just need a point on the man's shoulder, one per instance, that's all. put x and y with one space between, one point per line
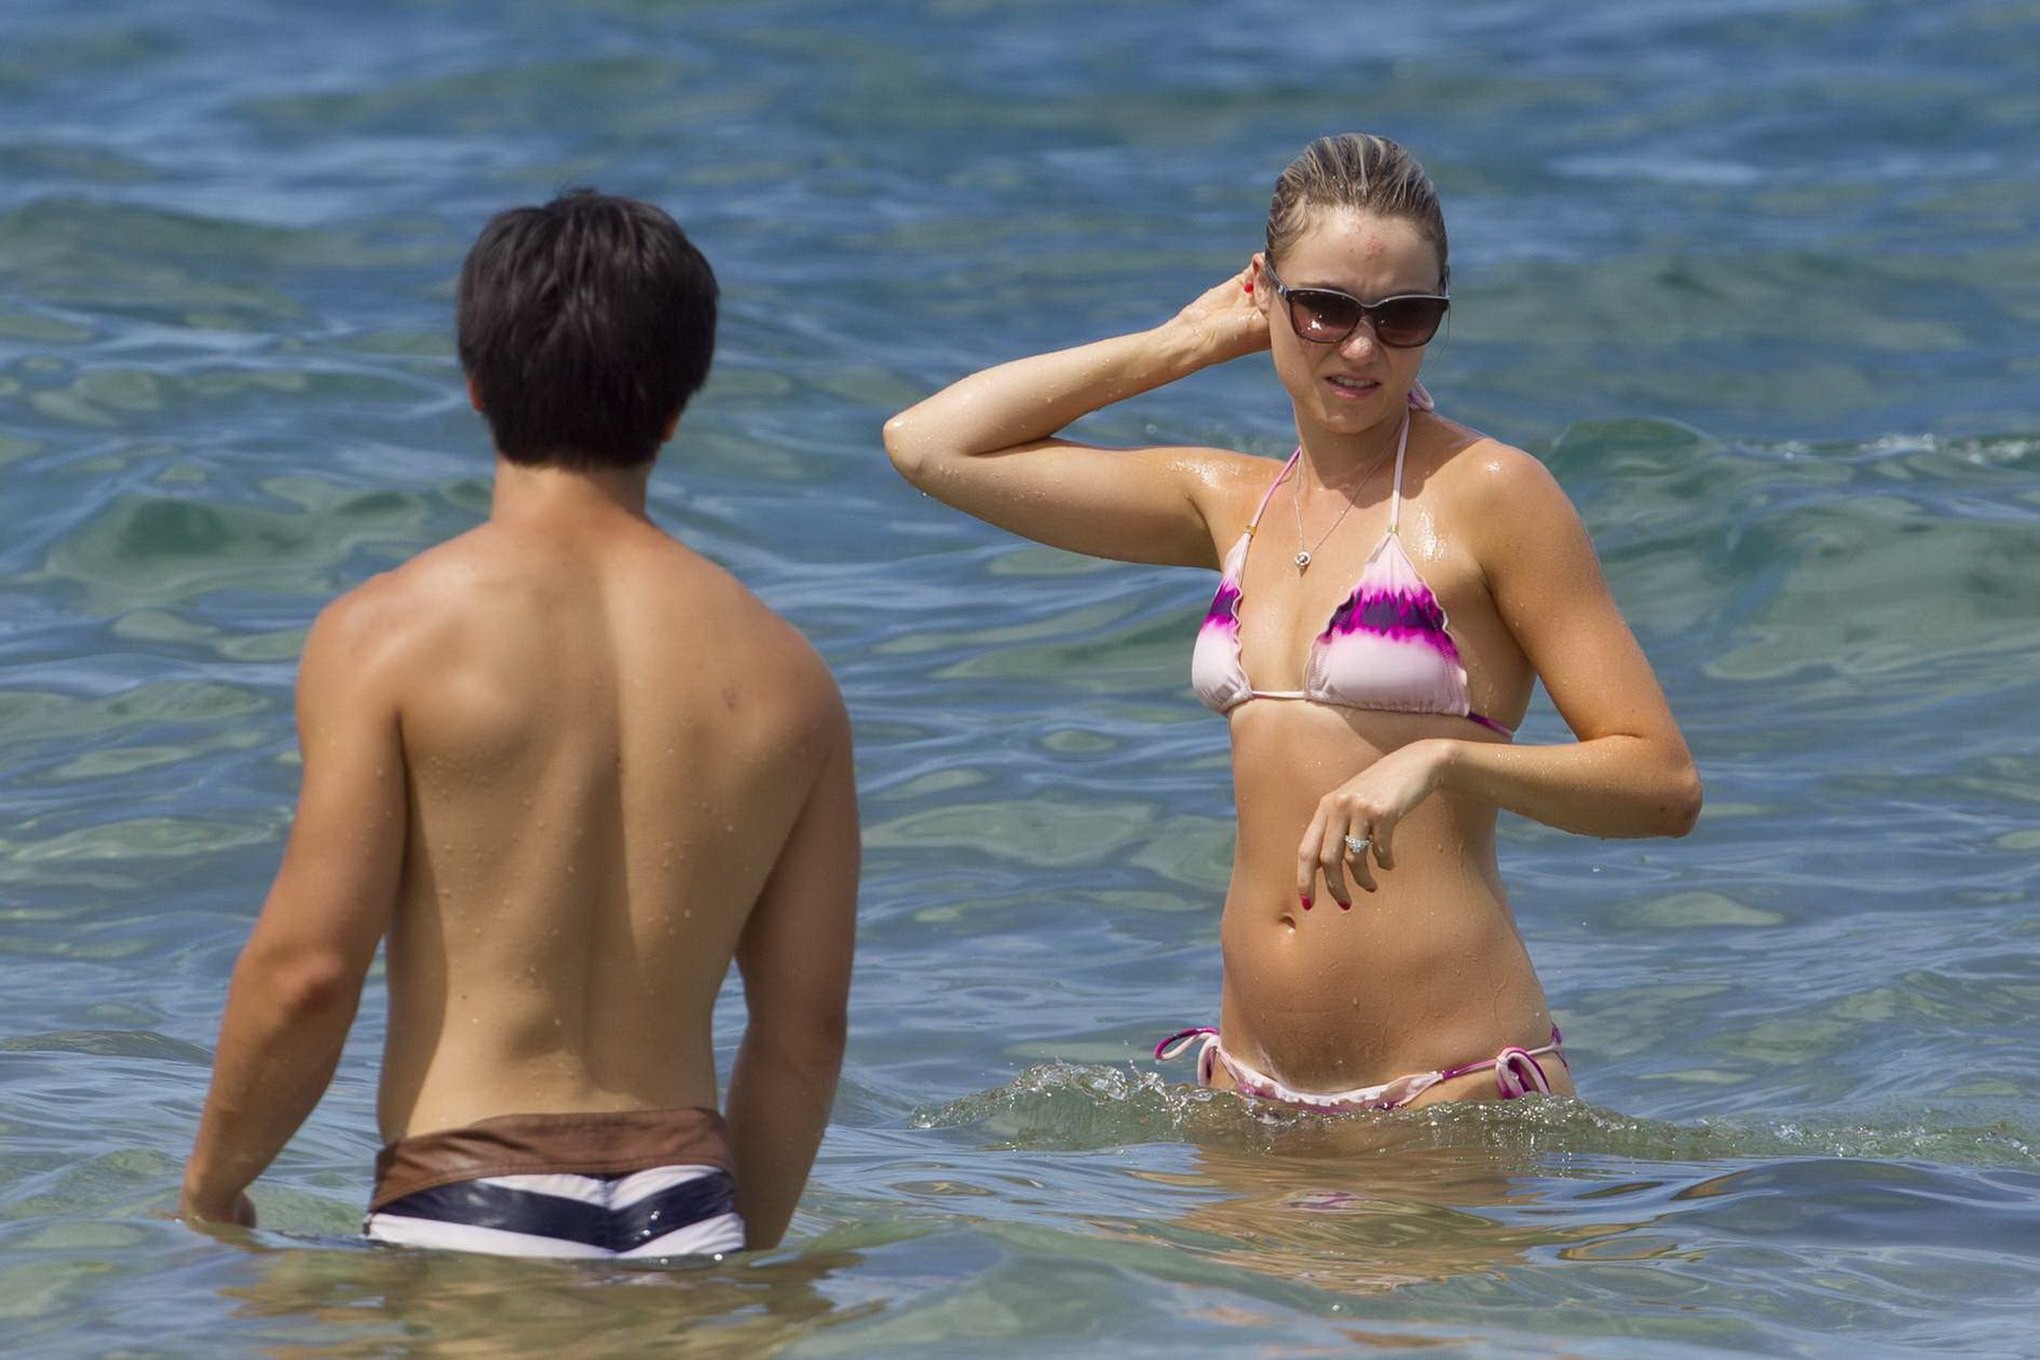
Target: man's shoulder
778 654
438 587
728 616
371 632
380 603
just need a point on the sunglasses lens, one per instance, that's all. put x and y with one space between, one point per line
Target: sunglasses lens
1407 322
1323 317
1400 323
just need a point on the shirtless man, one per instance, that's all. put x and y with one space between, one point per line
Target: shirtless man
572 769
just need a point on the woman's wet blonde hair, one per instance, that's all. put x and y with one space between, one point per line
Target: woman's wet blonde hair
1361 172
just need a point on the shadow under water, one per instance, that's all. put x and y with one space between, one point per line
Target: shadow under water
1463 1195
376 1301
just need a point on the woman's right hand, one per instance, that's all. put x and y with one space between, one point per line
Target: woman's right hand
1226 321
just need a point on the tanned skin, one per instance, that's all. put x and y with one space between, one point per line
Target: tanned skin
571 770
1347 969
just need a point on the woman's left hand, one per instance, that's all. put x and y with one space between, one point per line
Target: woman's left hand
1366 807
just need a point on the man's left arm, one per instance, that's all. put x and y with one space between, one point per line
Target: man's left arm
298 981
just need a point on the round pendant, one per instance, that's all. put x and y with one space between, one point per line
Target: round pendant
1302 560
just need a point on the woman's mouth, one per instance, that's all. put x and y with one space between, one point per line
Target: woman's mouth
1353 389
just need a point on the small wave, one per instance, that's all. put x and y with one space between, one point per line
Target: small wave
1075 1107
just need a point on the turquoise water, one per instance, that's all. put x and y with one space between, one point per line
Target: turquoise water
1759 278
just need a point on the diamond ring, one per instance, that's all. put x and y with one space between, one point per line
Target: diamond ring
1357 845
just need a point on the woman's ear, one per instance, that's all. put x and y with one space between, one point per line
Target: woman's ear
1257 284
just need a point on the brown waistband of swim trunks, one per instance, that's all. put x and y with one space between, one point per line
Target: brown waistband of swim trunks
597 1143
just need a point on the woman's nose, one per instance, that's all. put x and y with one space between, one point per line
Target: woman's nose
1361 344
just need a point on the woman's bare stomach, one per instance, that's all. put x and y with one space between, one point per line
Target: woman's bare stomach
1425 973
1330 1000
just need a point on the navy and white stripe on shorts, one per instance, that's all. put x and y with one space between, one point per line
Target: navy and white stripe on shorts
664 1211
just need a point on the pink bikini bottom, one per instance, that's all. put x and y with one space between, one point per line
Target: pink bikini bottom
1517 1073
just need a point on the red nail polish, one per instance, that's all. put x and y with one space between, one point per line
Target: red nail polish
1345 906
1250 285
1305 901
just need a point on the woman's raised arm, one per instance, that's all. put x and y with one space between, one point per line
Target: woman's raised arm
986 444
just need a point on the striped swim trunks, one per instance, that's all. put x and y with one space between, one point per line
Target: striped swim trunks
611 1185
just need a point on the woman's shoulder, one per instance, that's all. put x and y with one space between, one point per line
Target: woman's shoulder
1232 472
1230 485
1486 475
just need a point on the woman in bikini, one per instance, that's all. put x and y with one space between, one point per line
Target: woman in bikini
1387 598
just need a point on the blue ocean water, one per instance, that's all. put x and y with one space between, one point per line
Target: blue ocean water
1758 278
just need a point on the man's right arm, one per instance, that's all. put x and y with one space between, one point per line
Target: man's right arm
299 979
795 960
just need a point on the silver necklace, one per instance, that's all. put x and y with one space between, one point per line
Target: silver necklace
1305 553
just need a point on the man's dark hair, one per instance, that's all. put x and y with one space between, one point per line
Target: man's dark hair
586 324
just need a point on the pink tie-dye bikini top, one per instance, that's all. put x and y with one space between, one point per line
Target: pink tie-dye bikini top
1387 647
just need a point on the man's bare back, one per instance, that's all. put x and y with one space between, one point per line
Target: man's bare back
573 770
607 740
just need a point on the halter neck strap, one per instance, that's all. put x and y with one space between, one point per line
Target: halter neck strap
1269 494
1402 444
